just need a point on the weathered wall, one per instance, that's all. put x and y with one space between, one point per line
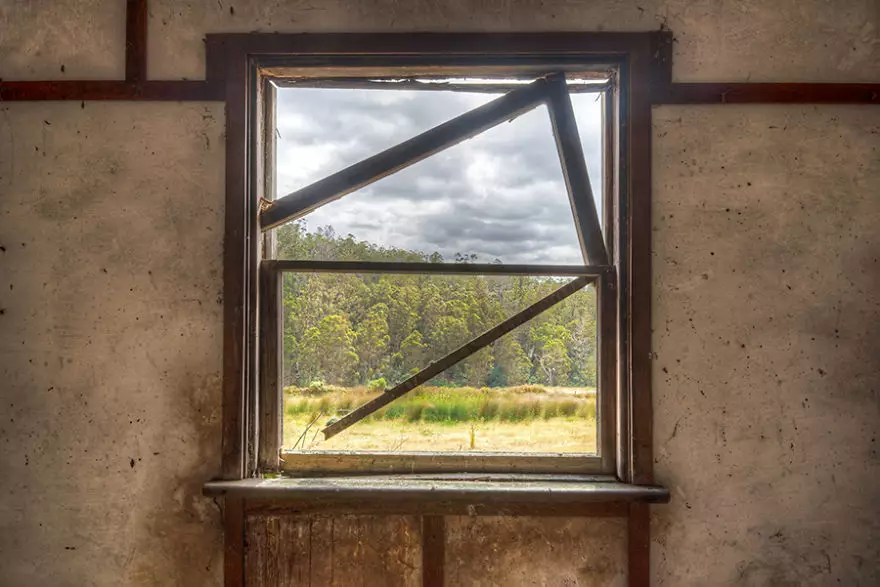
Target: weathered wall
110 330
767 342
769 448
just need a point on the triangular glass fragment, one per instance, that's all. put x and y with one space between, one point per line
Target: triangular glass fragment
348 336
499 196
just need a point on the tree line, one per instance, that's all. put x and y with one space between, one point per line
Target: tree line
351 329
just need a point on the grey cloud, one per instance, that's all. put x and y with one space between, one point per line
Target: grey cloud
500 194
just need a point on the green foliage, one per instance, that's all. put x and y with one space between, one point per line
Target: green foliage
351 329
448 404
377 384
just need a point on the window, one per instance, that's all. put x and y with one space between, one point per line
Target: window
438 277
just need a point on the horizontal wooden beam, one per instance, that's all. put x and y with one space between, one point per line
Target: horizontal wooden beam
434 268
388 489
359 83
768 93
459 354
182 91
404 154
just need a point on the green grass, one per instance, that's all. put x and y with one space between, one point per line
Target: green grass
449 405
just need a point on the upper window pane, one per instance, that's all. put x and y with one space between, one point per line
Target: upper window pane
499 196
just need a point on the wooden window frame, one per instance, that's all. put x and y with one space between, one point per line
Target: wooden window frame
550 90
240 59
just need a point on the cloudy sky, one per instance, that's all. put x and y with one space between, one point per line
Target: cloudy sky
499 195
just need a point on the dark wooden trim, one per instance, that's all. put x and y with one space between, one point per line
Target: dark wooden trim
136 40
283 265
486 464
433 550
445 44
403 155
277 507
639 545
607 371
574 171
768 93
233 542
269 392
158 91
638 218
459 354
418 84
236 277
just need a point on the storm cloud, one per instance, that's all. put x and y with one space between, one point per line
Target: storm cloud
499 195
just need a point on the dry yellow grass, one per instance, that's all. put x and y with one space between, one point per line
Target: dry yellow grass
570 435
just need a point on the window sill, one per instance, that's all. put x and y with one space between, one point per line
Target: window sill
568 495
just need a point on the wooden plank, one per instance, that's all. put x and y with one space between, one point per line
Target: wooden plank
389 489
607 372
420 84
270 397
336 550
314 463
455 356
441 268
640 277
235 274
439 508
233 542
574 170
404 154
639 545
433 550
183 91
769 93
136 40
448 46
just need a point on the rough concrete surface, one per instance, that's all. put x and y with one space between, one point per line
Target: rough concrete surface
767 343
110 342
547 552
70 39
717 40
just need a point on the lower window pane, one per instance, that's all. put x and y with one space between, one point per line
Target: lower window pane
348 337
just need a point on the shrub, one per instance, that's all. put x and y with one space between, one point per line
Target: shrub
377 384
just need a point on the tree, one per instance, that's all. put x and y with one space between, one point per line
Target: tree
512 365
372 342
330 345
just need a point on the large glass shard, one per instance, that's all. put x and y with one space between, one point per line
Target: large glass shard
347 337
498 197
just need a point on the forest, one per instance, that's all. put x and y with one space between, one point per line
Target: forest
376 329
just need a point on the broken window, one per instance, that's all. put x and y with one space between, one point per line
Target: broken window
436 281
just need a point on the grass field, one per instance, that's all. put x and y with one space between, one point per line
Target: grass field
521 419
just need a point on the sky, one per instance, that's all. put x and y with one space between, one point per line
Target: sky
499 195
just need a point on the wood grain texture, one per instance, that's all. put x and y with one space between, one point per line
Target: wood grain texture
433 550
333 551
159 91
136 40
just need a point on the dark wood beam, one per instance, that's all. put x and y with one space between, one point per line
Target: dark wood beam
433 268
459 354
433 550
574 170
111 90
403 155
136 40
768 93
